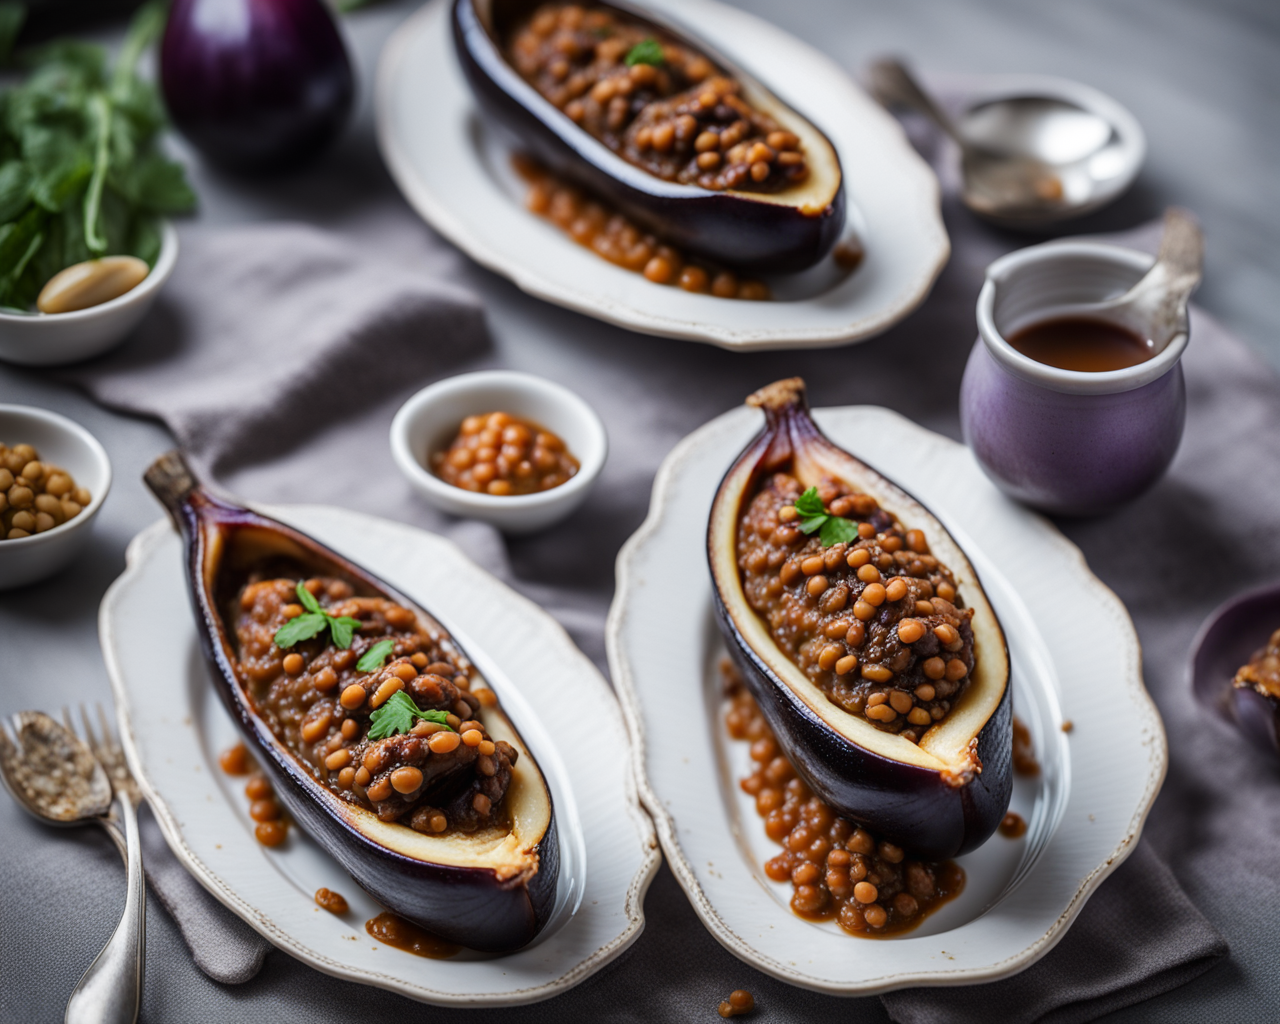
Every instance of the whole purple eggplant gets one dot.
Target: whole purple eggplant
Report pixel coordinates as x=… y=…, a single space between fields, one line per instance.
x=256 y=84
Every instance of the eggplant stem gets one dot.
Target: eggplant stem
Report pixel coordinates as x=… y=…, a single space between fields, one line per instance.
x=779 y=395
x=171 y=480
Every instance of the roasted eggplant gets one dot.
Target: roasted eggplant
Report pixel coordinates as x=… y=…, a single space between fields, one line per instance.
x=490 y=888
x=780 y=230
x=862 y=717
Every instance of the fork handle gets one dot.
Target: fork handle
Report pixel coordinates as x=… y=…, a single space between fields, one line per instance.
x=111 y=990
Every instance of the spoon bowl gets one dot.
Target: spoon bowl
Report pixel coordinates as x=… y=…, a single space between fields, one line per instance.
x=51 y=773
x=1034 y=150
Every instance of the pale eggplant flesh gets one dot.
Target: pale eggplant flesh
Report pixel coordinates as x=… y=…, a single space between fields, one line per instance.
x=759 y=232
x=940 y=797
x=481 y=891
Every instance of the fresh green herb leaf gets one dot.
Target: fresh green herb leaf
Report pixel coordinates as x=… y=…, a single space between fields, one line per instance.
x=307 y=599
x=314 y=622
x=304 y=627
x=398 y=715
x=343 y=628
x=838 y=530
x=373 y=658
x=814 y=518
x=15 y=189
x=647 y=51
x=810 y=504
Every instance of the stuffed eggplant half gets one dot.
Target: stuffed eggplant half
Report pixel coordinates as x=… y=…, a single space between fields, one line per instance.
x=378 y=734
x=660 y=126
x=864 y=635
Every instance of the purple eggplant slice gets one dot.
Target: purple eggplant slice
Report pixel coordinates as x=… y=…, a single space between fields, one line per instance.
x=375 y=729
x=864 y=634
x=738 y=176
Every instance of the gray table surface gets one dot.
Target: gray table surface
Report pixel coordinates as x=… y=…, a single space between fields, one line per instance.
x=1202 y=78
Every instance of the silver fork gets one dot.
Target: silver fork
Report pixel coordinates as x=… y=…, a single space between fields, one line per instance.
x=111 y=990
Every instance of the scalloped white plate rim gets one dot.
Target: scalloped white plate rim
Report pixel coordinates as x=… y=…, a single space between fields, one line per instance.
x=877 y=158
x=728 y=433
x=574 y=967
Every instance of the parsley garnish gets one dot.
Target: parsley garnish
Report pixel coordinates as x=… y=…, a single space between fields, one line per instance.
x=314 y=622
x=647 y=51
x=82 y=170
x=814 y=518
x=373 y=658
x=397 y=715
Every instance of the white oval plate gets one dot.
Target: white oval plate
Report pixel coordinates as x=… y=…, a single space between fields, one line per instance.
x=456 y=172
x=1074 y=656
x=173 y=727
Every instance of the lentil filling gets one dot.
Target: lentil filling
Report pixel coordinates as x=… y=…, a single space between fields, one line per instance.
x=436 y=778
x=837 y=870
x=876 y=623
x=653 y=100
x=1262 y=673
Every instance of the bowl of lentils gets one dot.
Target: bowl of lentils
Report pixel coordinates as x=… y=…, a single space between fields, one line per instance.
x=54 y=476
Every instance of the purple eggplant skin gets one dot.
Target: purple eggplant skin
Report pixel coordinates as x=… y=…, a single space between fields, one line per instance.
x=469 y=905
x=1258 y=717
x=256 y=85
x=912 y=806
x=755 y=236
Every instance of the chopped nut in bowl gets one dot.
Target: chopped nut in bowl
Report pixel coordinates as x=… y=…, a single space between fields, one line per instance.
x=54 y=476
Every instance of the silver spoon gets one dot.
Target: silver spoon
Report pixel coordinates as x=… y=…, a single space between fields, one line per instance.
x=1156 y=307
x=53 y=775
x=1021 y=157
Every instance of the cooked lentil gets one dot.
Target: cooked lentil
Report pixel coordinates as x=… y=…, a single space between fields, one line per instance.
x=395 y=931
x=272 y=826
x=35 y=496
x=838 y=870
x=502 y=454
x=881 y=629
x=740 y=1001
x=334 y=902
x=614 y=237
x=681 y=119
x=1262 y=672
x=425 y=778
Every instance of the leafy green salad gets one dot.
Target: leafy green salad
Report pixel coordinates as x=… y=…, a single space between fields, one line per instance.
x=81 y=171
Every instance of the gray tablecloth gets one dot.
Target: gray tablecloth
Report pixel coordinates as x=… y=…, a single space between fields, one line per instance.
x=1171 y=557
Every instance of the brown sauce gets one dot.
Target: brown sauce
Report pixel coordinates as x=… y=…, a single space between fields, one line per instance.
x=395 y=931
x=1024 y=751
x=334 y=902
x=1013 y=826
x=740 y=1001
x=597 y=226
x=1081 y=343
x=838 y=871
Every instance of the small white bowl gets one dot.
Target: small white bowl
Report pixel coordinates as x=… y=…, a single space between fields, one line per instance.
x=429 y=420
x=69 y=445
x=52 y=339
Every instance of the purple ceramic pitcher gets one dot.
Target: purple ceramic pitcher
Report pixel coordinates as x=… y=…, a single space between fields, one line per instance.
x=1067 y=441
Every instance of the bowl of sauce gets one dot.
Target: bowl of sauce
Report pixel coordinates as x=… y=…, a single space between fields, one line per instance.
x=1072 y=415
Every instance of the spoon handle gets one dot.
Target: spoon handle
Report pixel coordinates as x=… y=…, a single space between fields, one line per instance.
x=111 y=990
x=893 y=83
